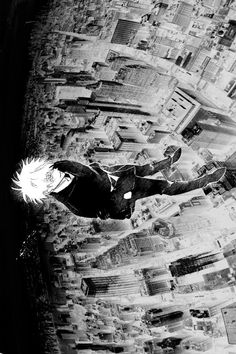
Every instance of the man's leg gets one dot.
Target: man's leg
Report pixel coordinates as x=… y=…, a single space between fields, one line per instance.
x=142 y=170
x=183 y=187
x=147 y=169
x=157 y=166
x=153 y=167
x=145 y=187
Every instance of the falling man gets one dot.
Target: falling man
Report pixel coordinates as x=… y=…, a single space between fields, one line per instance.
x=97 y=191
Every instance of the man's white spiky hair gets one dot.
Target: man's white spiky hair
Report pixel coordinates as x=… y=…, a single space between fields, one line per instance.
x=30 y=181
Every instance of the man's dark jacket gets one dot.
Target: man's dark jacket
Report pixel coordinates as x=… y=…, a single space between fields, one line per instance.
x=89 y=194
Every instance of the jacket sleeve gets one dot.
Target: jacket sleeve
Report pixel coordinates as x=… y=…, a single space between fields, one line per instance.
x=73 y=167
x=119 y=170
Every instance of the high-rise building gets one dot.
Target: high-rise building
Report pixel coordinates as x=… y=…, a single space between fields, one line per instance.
x=157 y=280
x=165 y=48
x=182 y=225
x=111 y=285
x=119 y=128
x=143 y=76
x=229 y=317
x=228 y=35
x=191 y=264
x=179 y=110
x=130 y=132
x=183 y=14
x=198 y=343
x=201 y=126
x=160 y=317
x=231 y=160
x=131 y=250
x=198 y=60
x=219 y=278
x=89 y=104
x=124 y=93
x=207 y=309
x=137 y=7
x=156 y=16
x=209 y=130
x=71 y=92
x=125 y=31
x=116 y=61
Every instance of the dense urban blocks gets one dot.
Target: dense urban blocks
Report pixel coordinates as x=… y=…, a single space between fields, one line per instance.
x=129 y=83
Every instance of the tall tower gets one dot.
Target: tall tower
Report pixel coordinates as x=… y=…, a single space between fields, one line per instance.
x=200 y=126
x=229 y=316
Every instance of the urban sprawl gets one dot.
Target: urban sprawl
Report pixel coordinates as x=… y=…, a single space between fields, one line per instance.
x=120 y=82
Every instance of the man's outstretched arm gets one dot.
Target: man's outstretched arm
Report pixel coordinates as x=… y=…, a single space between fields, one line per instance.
x=73 y=167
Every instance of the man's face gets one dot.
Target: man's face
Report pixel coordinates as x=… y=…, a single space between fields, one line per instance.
x=163 y=231
x=52 y=178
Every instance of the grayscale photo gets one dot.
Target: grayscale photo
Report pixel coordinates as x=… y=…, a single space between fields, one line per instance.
x=119 y=177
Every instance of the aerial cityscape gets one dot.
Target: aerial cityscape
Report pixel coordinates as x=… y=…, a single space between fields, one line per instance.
x=128 y=82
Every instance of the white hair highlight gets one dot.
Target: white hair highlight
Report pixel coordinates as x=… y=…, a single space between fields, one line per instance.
x=31 y=181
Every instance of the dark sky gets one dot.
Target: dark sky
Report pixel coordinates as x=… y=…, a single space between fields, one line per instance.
x=16 y=335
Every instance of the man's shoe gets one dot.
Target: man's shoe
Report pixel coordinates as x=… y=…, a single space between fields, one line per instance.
x=217 y=175
x=176 y=155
